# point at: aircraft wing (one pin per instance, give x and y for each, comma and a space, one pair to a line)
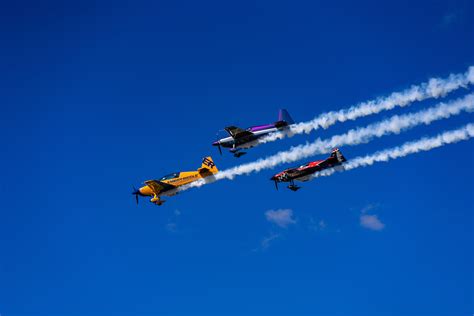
237, 132
323, 164
157, 186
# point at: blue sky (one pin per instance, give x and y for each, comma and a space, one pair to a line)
99, 96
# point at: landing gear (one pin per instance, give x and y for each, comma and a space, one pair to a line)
293, 187
156, 200
237, 152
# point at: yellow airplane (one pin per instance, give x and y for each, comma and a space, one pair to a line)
169, 184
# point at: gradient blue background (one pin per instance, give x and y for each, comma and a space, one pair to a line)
99, 96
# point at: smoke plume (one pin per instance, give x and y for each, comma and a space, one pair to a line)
434, 88
395, 124
424, 144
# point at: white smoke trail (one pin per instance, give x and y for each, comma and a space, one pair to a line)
434, 88
395, 124
423, 144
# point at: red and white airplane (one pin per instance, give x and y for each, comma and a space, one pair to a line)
304, 172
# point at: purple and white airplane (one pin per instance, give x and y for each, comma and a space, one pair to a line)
243, 139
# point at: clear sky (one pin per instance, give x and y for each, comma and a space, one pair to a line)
99, 96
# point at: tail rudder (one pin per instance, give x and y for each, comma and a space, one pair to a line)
336, 153
284, 117
208, 166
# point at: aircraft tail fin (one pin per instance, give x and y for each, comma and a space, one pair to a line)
208, 167
336, 153
284, 116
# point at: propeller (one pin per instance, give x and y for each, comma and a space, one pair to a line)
218, 143
275, 179
136, 193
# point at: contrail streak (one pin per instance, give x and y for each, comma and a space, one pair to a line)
434, 88
395, 124
423, 144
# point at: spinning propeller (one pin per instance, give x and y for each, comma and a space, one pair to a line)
136, 193
218, 143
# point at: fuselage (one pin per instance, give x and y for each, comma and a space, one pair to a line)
146, 191
304, 172
257, 131
170, 184
176, 179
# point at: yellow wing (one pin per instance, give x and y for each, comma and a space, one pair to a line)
157, 186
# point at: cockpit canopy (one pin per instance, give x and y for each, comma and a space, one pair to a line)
169, 176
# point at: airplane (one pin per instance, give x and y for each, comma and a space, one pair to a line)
303, 173
168, 185
244, 139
